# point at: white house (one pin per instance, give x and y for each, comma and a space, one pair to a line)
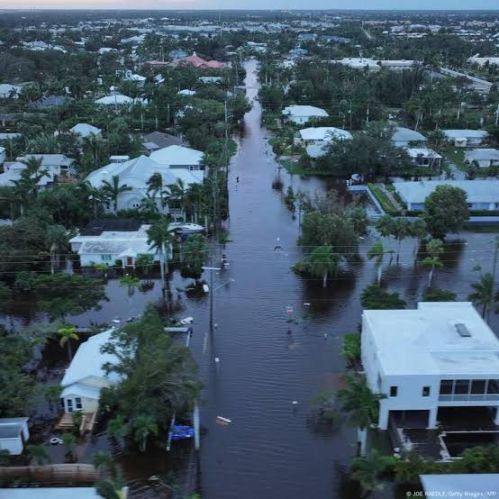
119, 100
14, 433
299, 115
482, 61
84, 130
405, 137
375, 65
484, 158
8, 90
176, 156
481, 194
86, 376
108, 246
3, 155
440, 355
316, 139
465, 138
136, 172
423, 156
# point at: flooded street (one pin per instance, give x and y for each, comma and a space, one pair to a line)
270, 450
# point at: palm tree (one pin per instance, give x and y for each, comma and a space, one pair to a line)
377, 253
154, 184
418, 231
4, 457
484, 293
118, 429
67, 333
104, 463
113, 189
159, 238
93, 146
69, 440
26, 188
53, 395
434, 248
38, 453
321, 262
194, 200
178, 194
144, 426
57, 240
131, 282
367, 470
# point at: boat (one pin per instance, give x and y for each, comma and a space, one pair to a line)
185, 228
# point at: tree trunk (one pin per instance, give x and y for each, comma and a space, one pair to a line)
430, 276
362, 439
324, 280
379, 274
398, 250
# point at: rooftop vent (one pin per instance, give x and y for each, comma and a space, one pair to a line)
462, 330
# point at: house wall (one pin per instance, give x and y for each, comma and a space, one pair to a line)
87, 404
13, 445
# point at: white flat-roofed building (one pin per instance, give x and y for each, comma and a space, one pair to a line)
440, 355
483, 158
14, 433
119, 100
376, 65
423, 156
299, 115
481, 194
316, 139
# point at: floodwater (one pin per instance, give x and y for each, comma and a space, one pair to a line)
265, 363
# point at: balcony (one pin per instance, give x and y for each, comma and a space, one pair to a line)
469, 397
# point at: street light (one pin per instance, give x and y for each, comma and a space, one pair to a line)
212, 290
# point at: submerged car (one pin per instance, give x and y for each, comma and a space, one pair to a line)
185, 228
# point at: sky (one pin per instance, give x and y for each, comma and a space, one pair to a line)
253, 4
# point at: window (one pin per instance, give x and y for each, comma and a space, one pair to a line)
462, 386
78, 403
393, 391
106, 258
493, 386
478, 387
426, 391
69, 403
446, 387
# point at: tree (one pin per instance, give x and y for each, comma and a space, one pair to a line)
484, 293
104, 463
367, 470
113, 189
67, 333
377, 253
350, 349
418, 230
69, 440
38, 454
195, 251
375, 298
322, 262
434, 249
437, 294
53, 396
57, 240
118, 429
445, 211
160, 238
143, 426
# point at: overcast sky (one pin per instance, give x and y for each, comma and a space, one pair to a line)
254, 4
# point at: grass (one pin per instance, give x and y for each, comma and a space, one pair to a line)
383, 199
456, 156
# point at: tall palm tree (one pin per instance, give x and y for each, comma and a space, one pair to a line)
194, 201
67, 333
418, 231
93, 147
144, 426
118, 429
38, 453
159, 238
367, 470
154, 184
484, 293
434, 248
26, 188
377, 253
57, 240
178, 194
322, 262
113, 189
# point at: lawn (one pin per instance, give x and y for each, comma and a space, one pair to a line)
383, 199
456, 156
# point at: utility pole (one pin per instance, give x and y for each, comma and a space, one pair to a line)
494, 264
211, 270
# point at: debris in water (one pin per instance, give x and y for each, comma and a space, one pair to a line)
223, 421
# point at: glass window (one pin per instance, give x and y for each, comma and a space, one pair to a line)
69, 403
478, 386
446, 387
493, 386
106, 258
426, 391
393, 391
462, 386
78, 403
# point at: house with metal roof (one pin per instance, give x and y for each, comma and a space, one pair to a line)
14, 433
465, 137
405, 137
481, 194
84, 130
178, 156
483, 158
300, 114
86, 375
316, 139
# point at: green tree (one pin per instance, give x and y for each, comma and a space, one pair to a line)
484, 293
367, 470
143, 426
67, 333
160, 239
322, 262
375, 298
434, 249
69, 441
113, 189
57, 240
350, 349
38, 453
118, 429
377, 253
437, 294
445, 211
195, 250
